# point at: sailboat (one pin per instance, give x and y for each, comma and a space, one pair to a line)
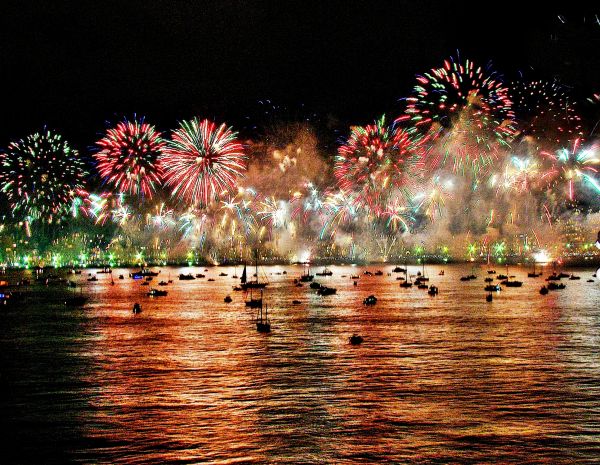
533, 274
306, 276
406, 283
263, 325
254, 303
245, 283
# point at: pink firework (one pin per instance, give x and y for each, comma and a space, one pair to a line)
202, 161
128, 157
377, 160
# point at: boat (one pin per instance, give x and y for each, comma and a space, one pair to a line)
163, 283
544, 290
237, 288
491, 271
368, 273
509, 283
533, 274
200, 275
145, 283
254, 303
106, 269
493, 288
441, 273
563, 275
256, 284
354, 276
325, 272
143, 273
324, 290
222, 274
186, 277
422, 285
501, 276
315, 285
227, 299
423, 277
553, 277
93, 279
489, 297
296, 302
210, 279
379, 273
263, 325
137, 308
407, 282
355, 339
574, 278
488, 280
552, 286
156, 293
121, 276
433, 290
149, 278
306, 276
370, 300
398, 269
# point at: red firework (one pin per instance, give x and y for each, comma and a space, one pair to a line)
128, 157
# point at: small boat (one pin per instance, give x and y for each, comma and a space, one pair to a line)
590, 281
368, 273
210, 279
156, 293
400, 278
296, 302
315, 285
552, 286
488, 280
186, 277
143, 273
200, 275
370, 300
149, 278
163, 283
237, 288
379, 273
355, 340
563, 275
553, 277
325, 272
252, 284
93, 279
222, 274
493, 288
573, 277
544, 290
355, 283
324, 290
137, 308
354, 276
433, 290
254, 303
105, 270
489, 297
263, 325
306, 276
145, 283
399, 269
227, 299
422, 285
406, 284
121, 276
491, 271
441, 273
509, 283
533, 274
501, 276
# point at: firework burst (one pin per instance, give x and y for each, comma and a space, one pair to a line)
468, 107
202, 161
576, 165
41, 176
376, 161
128, 157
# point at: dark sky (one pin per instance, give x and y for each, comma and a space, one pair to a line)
74, 65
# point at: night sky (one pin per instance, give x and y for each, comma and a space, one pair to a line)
75, 65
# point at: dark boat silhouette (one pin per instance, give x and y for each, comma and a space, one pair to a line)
544, 290
263, 325
227, 299
325, 272
324, 290
433, 290
370, 300
156, 293
137, 308
355, 339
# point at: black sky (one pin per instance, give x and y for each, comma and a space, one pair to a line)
74, 65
